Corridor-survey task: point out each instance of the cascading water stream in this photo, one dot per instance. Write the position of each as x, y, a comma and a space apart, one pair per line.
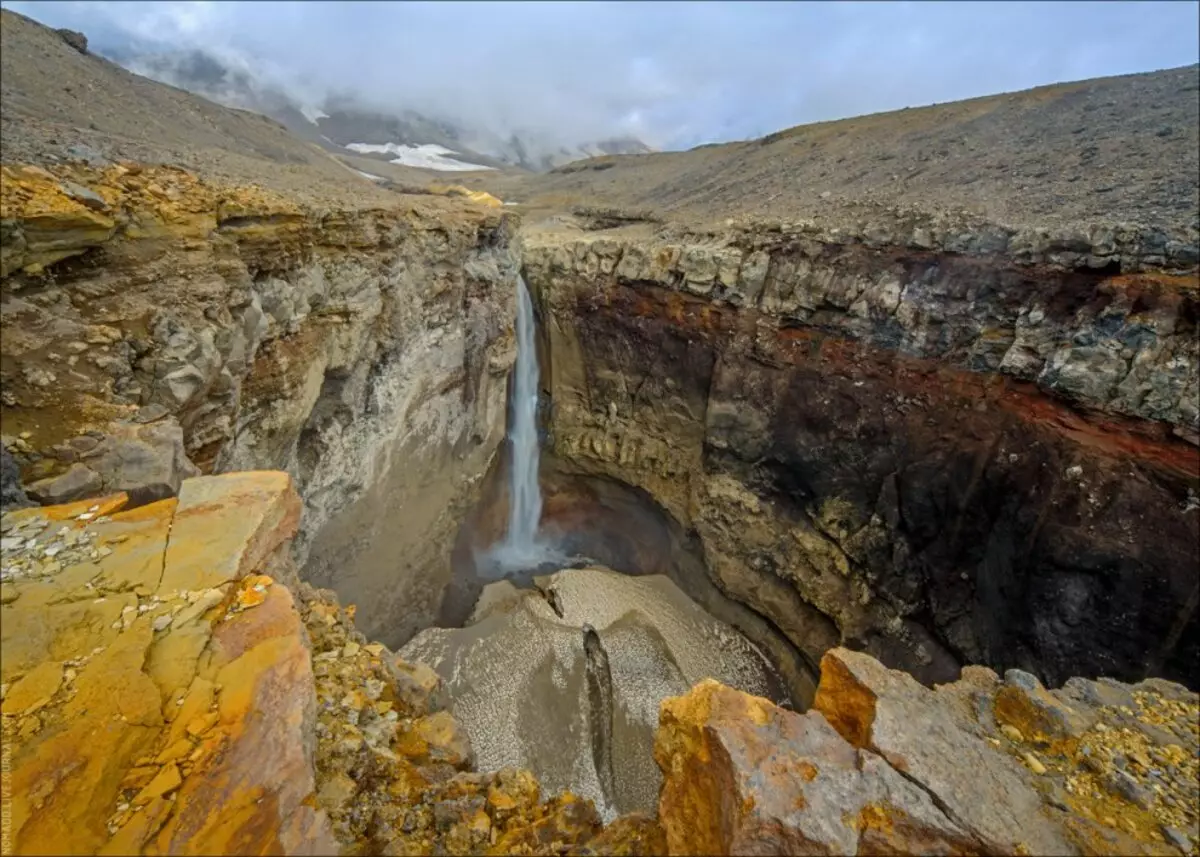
521, 549
525, 502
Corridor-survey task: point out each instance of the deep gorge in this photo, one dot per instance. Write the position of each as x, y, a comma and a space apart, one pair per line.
851, 504
940, 458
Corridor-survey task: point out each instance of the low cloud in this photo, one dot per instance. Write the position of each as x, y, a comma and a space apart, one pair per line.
673, 74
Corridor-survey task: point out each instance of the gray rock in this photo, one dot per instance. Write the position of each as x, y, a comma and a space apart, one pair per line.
1177, 838
132, 456
12, 496
980, 788
86, 197
85, 153
785, 783
1022, 679
183, 384
1122, 784
78, 482
150, 413
74, 38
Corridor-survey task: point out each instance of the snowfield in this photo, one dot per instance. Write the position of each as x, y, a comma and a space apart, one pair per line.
429, 156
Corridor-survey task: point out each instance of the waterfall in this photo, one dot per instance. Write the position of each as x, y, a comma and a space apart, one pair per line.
522, 550
525, 496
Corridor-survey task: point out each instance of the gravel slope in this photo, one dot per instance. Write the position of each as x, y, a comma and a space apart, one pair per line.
1105, 150
56, 100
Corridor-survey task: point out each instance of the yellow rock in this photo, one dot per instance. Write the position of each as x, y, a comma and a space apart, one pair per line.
1012, 733
197, 726
34, 690
225, 526
1034, 763
166, 781
179, 750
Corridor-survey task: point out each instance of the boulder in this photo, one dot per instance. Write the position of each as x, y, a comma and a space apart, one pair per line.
12, 496
889, 713
132, 456
78, 482
743, 776
74, 38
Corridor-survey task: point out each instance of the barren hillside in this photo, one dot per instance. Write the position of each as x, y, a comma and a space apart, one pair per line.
1121, 149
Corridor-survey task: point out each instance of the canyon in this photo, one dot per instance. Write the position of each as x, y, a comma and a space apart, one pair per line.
904, 464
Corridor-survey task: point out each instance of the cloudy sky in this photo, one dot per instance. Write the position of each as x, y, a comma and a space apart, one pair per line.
675, 74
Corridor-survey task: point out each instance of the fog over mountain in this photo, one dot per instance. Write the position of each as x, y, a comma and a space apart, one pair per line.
496, 77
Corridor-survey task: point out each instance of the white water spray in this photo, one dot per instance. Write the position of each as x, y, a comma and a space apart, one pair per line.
525, 504
521, 549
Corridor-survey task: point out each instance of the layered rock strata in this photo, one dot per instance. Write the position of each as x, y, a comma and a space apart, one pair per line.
156, 323
944, 445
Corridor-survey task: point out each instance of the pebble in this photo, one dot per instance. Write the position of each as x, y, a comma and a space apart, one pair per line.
1034, 763
1177, 838
1012, 733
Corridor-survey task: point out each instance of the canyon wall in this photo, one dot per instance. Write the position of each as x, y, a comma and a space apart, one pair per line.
941, 442
157, 325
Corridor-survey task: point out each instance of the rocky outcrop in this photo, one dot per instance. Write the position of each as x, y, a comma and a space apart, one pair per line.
157, 323
882, 765
157, 689
946, 443
168, 686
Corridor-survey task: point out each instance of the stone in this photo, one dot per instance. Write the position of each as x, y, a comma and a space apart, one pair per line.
133, 456
165, 781
77, 482
85, 196
34, 690
1012, 733
12, 496
150, 413
742, 776
438, 738
418, 687
1033, 763
1177, 838
984, 790
74, 38
1023, 704
226, 526
630, 835
1122, 784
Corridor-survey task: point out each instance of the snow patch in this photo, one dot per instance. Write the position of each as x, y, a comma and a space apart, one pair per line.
429, 156
371, 176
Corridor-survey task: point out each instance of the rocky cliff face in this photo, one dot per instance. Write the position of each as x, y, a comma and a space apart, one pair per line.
168, 685
157, 326
944, 442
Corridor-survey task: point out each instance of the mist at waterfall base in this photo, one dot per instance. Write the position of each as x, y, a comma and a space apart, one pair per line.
523, 551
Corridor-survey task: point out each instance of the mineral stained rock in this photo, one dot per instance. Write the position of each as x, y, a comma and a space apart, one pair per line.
943, 458
883, 765
362, 349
